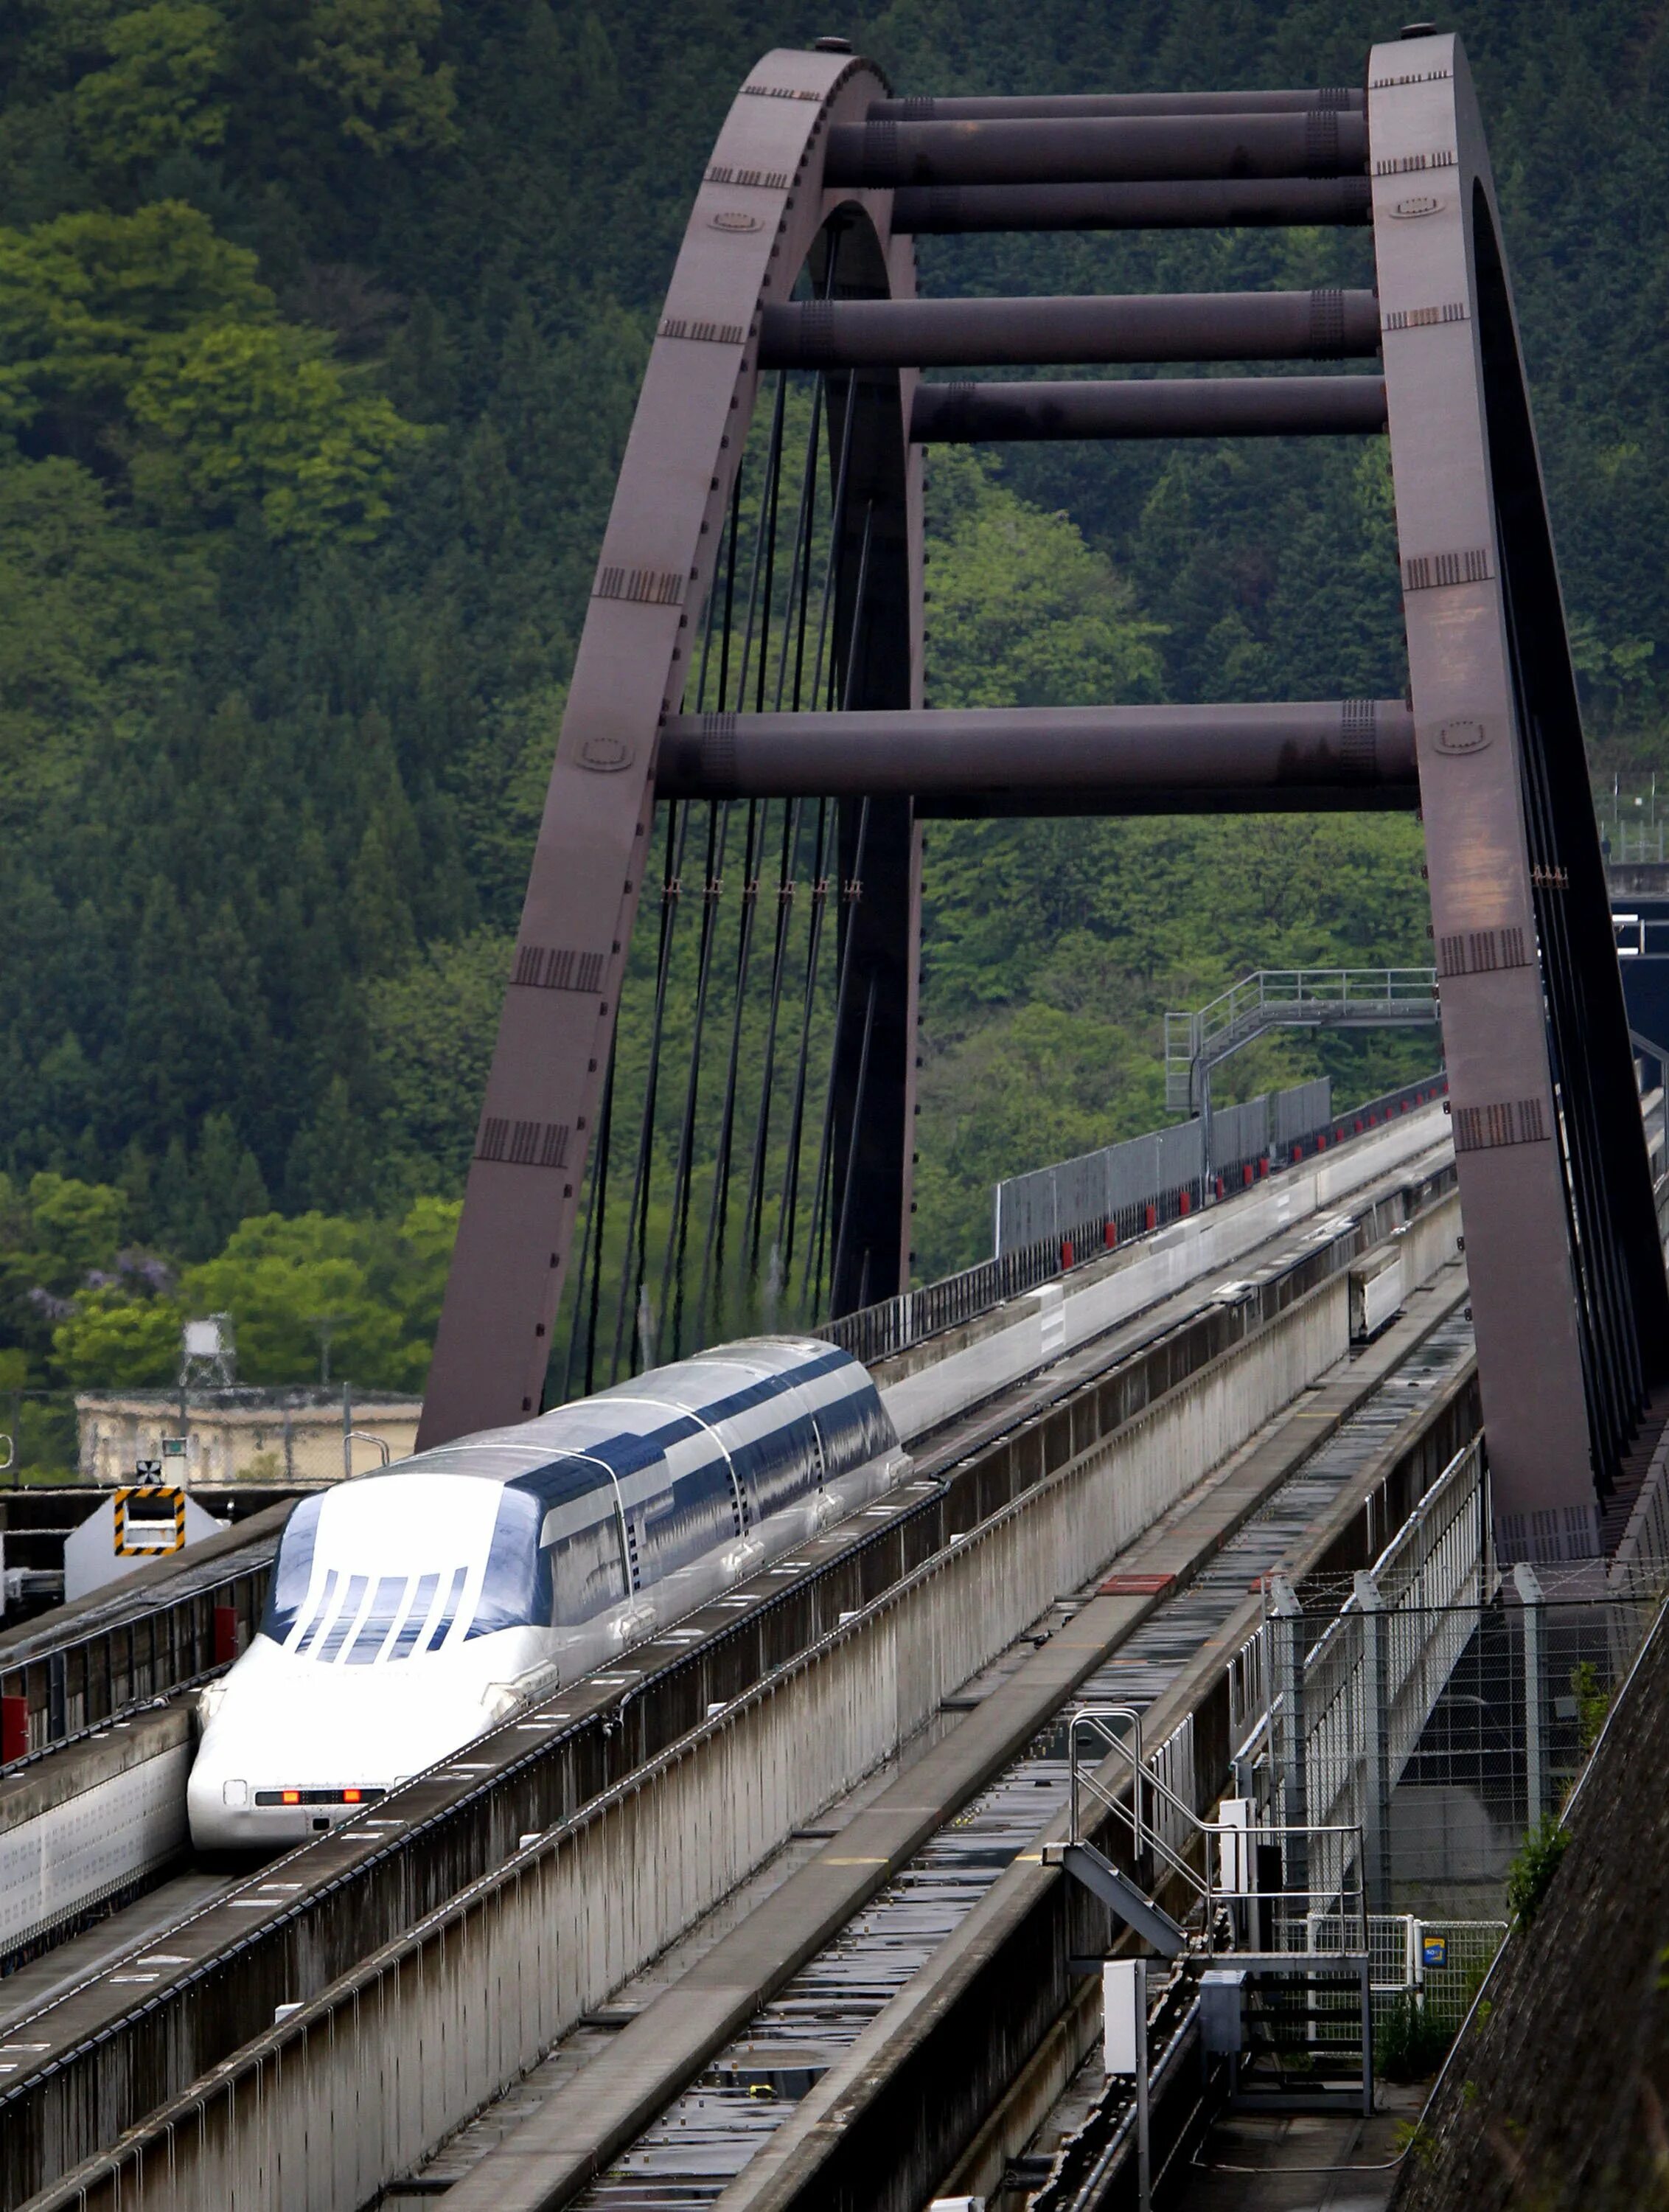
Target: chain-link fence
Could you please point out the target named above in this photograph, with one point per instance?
(1477, 1743)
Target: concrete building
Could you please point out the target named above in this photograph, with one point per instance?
(302, 1434)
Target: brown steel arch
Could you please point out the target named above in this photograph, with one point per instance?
(1568, 1281)
(819, 169)
(758, 215)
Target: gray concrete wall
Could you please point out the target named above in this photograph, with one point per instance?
(78, 1827)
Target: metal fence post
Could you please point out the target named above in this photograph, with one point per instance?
(1375, 1758)
(1535, 1763)
(1144, 2155)
(1290, 1643)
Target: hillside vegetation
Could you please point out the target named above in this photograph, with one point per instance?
(321, 323)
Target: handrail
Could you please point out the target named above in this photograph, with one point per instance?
(1311, 987)
(1146, 1835)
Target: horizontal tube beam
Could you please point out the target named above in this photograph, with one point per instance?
(1227, 203)
(1021, 333)
(1096, 150)
(1021, 802)
(972, 759)
(1167, 407)
(1070, 106)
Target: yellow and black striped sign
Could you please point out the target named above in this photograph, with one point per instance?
(152, 1536)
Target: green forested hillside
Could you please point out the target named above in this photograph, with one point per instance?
(321, 327)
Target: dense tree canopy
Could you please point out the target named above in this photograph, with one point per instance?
(321, 324)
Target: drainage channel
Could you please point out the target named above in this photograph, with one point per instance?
(709, 2133)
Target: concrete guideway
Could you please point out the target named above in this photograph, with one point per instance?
(934, 1381)
(550, 2156)
(996, 2011)
(699, 1814)
(93, 1820)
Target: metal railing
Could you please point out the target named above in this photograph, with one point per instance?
(1286, 998)
(893, 1325)
(1343, 1715)
(1117, 1188)
(1226, 1881)
(1638, 844)
(54, 1689)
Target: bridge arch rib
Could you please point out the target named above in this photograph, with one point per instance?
(761, 214)
(798, 259)
(1567, 1279)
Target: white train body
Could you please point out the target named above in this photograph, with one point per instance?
(410, 1609)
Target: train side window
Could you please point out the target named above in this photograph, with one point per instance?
(693, 1514)
(515, 1589)
(855, 1429)
(780, 1466)
(292, 1570)
(580, 1537)
(588, 1575)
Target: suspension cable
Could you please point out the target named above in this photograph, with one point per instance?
(835, 1272)
(713, 1255)
(764, 556)
(671, 1287)
(585, 1296)
(788, 1207)
(637, 1219)
(851, 891)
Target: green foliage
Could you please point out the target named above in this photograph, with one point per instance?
(88, 300)
(1593, 1702)
(111, 1341)
(154, 99)
(1533, 1867)
(150, 323)
(78, 1224)
(1410, 2041)
(258, 414)
(374, 1288)
(367, 55)
(1023, 613)
(95, 623)
(432, 1032)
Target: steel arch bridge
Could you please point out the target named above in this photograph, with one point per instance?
(735, 1149)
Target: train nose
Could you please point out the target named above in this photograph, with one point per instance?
(284, 1761)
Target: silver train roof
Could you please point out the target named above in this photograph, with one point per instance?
(705, 1387)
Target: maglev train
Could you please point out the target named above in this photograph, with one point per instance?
(410, 1609)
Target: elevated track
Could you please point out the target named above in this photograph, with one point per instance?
(697, 1757)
